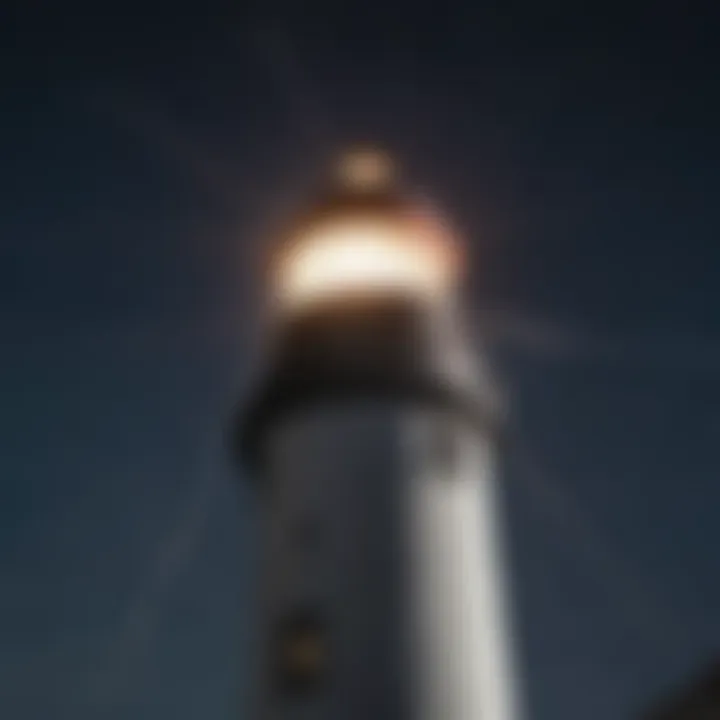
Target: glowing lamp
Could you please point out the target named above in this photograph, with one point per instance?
(359, 255)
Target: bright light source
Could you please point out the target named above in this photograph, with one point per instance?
(354, 256)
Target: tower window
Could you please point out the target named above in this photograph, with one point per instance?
(301, 653)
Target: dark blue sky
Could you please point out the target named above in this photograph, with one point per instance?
(143, 157)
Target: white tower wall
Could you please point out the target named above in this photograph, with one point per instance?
(461, 662)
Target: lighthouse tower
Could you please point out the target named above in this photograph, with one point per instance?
(371, 440)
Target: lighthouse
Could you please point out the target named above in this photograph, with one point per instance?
(371, 439)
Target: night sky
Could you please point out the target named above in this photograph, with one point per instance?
(145, 155)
